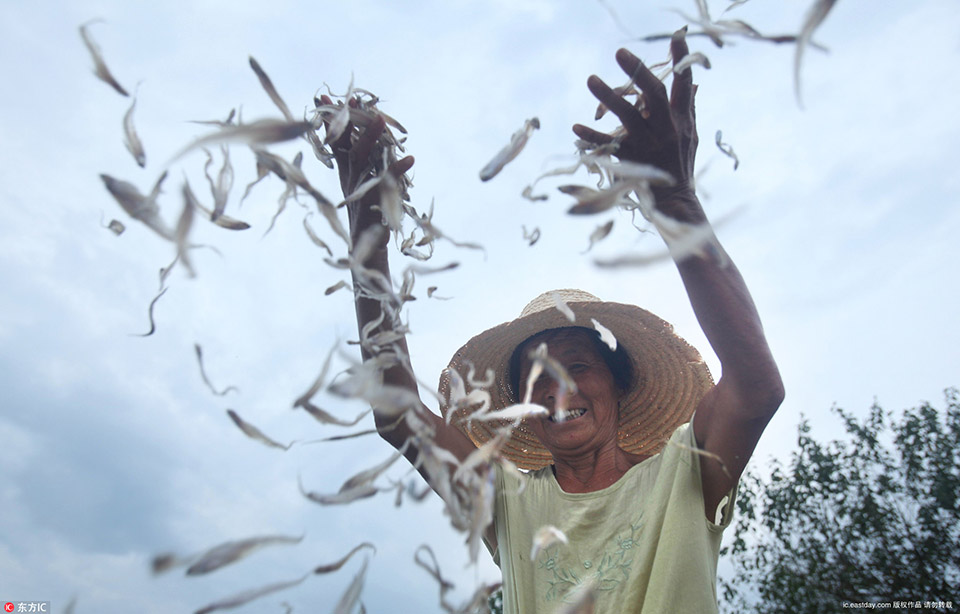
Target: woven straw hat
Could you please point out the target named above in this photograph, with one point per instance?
(669, 376)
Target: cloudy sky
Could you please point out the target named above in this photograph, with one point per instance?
(112, 449)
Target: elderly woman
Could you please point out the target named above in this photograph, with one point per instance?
(638, 462)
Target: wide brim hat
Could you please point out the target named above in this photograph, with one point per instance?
(669, 377)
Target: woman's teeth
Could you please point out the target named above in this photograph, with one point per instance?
(564, 416)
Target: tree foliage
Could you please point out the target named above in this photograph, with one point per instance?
(873, 517)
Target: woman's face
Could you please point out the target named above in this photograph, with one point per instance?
(594, 418)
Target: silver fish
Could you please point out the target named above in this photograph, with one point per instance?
(232, 551)
(689, 60)
(562, 306)
(224, 183)
(140, 207)
(516, 411)
(599, 234)
(340, 498)
(314, 237)
(341, 117)
(367, 476)
(511, 151)
(248, 596)
(131, 140)
(199, 352)
(101, 70)
(532, 236)
(337, 286)
(153, 326)
(590, 201)
(727, 149)
(545, 537)
(605, 335)
(254, 433)
(321, 569)
(115, 226)
(260, 132)
(184, 224)
(351, 596)
(817, 13)
(270, 89)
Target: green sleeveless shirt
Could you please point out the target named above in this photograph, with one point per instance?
(644, 541)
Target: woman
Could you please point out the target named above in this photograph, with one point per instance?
(642, 516)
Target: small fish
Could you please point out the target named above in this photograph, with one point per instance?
(727, 149)
(590, 201)
(260, 132)
(254, 433)
(599, 234)
(248, 596)
(342, 437)
(184, 224)
(367, 476)
(314, 237)
(511, 151)
(233, 551)
(340, 498)
(101, 70)
(545, 537)
(153, 326)
(531, 237)
(433, 569)
(341, 118)
(270, 89)
(689, 60)
(140, 207)
(514, 412)
(605, 335)
(529, 195)
(216, 122)
(115, 226)
(562, 306)
(165, 562)
(130, 138)
(199, 352)
(818, 12)
(224, 183)
(351, 596)
(321, 569)
(337, 286)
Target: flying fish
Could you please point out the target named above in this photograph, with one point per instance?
(511, 151)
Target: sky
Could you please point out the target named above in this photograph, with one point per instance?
(842, 216)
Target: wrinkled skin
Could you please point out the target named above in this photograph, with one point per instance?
(584, 449)
(663, 134)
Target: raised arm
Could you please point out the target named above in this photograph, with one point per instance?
(732, 415)
(353, 150)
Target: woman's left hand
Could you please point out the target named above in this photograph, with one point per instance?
(662, 132)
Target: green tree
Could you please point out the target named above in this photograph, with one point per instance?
(873, 517)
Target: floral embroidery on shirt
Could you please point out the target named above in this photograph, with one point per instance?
(562, 574)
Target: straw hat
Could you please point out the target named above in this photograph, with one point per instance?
(669, 376)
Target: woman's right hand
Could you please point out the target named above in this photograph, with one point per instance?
(353, 150)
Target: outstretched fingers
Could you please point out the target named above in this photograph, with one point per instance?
(655, 93)
(681, 94)
(591, 135)
(401, 166)
(623, 109)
